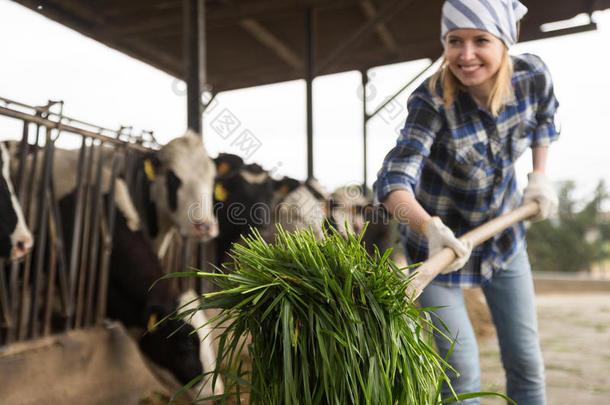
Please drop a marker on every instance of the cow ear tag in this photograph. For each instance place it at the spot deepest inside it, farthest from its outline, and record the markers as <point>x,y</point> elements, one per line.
<point>149,169</point>
<point>152,322</point>
<point>220,193</point>
<point>283,190</point>
<point>223,169</point>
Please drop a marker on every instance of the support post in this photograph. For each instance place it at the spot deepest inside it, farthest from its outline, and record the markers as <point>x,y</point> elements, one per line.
<point>365,119</point>
<point>309,68</point>
<point>195,60</point>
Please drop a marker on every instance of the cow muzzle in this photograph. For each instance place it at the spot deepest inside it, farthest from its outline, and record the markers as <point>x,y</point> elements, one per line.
<point>22,248</point>
<point>205,230</point>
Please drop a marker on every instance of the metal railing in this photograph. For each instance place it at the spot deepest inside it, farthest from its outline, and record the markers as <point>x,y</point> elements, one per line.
<point>57,288</point>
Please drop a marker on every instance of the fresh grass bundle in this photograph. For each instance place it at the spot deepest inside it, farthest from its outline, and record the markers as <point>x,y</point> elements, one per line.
<point>326,324</point>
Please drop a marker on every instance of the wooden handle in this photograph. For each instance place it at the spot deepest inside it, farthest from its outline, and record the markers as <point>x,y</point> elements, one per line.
<point>435,264</point>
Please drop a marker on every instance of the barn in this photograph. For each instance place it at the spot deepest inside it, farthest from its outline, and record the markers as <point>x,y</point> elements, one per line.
<point>54,305</point>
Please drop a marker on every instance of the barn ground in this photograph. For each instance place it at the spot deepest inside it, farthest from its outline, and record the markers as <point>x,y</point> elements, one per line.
<point>574,323</point>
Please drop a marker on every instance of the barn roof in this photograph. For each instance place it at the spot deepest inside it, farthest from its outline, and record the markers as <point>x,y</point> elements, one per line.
<point>255,42</point>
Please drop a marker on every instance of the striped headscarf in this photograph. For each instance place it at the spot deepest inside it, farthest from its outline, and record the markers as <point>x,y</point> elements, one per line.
<point>498,17</point>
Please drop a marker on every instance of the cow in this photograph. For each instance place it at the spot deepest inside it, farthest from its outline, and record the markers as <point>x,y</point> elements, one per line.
<point>300,206</point>
<point>15,238</point>
<point>180,181</point>
<point>348,206</point>
<point>306,205</point>
<point>242,200</point>
<point>176,187</point>
<point>174,344</point>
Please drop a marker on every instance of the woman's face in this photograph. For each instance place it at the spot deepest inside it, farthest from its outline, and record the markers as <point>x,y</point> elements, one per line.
<point>474,57</point>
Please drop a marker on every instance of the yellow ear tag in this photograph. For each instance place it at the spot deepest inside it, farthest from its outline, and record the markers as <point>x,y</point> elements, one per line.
<point>222,169</point>
<point>152,322</point>
<point>149,169</point>
<point>220,193</point>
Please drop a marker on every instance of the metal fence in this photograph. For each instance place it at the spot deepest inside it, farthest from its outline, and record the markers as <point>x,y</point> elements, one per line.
<point>57,288</point>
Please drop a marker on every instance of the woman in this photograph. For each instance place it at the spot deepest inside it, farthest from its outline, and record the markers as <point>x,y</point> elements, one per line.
<point>452,169</point>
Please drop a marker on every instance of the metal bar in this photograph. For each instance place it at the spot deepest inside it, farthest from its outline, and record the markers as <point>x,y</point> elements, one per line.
<point>203,265</point>
<point>195,51</point>
<point>30,207</point>
<point>187,260</point>
<point>309,69</point>
<point>77,230</point>
<point>403,88</point>
<point>390,8</point>
<point>107,247</point>
<point>22,160</point>
<point>4,299</point>
<point>52,270</point>
<point>23,312</point>
<point>95,237</point>
<point>67,128</point>
<point>58,250</point>
<point>15,272</point>
<point>78,317</point>
<point>43,215</point>
<point>364,81</point>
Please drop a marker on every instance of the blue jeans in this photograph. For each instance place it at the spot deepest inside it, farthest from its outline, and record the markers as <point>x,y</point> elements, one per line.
<point>510,297</point>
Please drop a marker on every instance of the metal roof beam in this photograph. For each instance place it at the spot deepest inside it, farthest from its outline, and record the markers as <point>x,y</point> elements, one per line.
<point>389,9</point>
<point>369,10</point>
<point>265,37</point>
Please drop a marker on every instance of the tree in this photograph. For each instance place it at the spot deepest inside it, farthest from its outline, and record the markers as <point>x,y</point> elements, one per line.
<point>574,240</point>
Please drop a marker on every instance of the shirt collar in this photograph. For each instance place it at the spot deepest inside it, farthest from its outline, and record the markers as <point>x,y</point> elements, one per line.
<point>467,106</point>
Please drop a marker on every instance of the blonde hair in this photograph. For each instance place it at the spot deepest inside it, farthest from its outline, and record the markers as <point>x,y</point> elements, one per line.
<point>500,92</point>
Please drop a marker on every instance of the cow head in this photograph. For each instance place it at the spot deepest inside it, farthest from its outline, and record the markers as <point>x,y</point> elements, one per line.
<point>15,238</point>
<point>347,206</point>
<point>181,179</point>
<point>242,200</point>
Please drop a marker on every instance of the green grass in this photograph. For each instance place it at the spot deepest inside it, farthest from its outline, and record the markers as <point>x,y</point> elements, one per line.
<point>328,324</point>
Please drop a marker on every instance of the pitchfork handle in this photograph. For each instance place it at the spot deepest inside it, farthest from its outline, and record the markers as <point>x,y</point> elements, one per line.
<point>435,264</point>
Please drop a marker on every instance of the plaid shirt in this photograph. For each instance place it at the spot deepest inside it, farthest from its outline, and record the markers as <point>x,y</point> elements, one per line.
<point>459,163</point>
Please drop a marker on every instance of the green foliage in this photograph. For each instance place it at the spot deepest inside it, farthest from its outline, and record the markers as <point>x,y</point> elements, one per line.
<point>562,244</point>
<point>323,323</point>
<point>328,324</point>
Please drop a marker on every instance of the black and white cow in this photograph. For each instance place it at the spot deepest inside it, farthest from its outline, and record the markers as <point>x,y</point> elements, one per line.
<point>176,187</point>
<point>348,206</point>
<point>300,205</point>
<point>134,267</point>
<point>243,196</point>
<point>15,238</point>
<point>180,180</point>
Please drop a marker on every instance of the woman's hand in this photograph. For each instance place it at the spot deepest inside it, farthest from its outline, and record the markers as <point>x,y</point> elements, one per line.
<point>539,189</point>
<point>440,236</point>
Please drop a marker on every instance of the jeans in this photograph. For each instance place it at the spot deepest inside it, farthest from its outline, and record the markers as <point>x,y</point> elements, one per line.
<point>510,297</point>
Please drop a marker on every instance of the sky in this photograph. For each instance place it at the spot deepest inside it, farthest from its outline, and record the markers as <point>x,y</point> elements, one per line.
<point>43,60</point>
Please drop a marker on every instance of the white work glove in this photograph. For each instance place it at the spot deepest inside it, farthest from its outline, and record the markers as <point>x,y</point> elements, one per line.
<point>539,189</point>
<point>440,236</point>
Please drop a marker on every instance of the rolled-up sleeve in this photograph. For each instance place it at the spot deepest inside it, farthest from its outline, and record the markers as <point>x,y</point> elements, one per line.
<point>547,129</point>
<point>402,165</point>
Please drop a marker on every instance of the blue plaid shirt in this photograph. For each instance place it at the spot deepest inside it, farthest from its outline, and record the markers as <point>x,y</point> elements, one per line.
<point>459,163</point>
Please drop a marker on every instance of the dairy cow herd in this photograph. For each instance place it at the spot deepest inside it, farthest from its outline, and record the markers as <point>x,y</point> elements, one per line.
<point>182,190</point>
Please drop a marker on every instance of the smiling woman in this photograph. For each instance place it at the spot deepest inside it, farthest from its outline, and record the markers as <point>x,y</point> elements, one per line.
<point>452,169</point>
<point>480,63</point>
